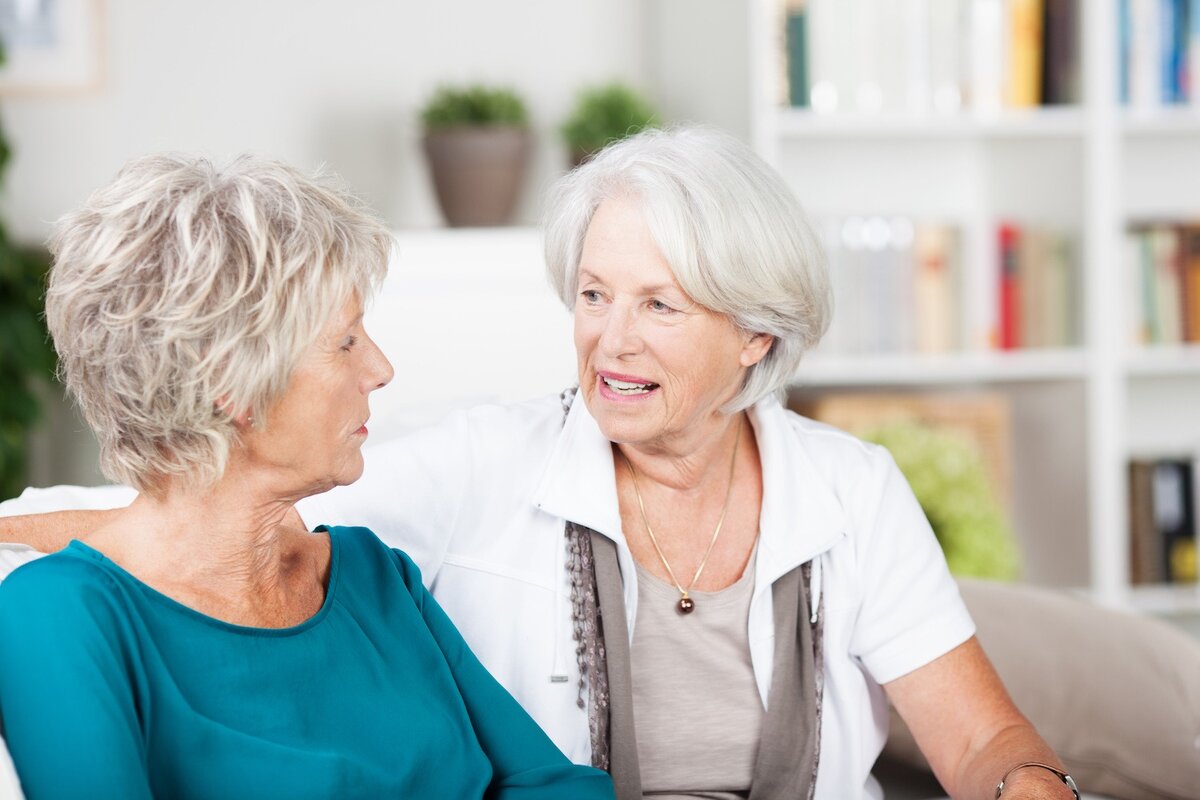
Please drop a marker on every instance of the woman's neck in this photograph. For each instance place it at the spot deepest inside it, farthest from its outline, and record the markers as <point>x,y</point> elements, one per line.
<point>694,464</point>
<point>232,550</point>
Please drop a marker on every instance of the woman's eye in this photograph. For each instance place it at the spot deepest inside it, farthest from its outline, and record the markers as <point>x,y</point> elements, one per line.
<point>590,296</point>
<point>660,307</point>
<point>348,345</point>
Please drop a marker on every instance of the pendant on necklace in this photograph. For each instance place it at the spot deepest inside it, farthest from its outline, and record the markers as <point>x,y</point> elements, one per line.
<point>686,605</point>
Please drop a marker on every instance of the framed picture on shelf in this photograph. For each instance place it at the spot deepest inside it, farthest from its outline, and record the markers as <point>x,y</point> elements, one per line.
<point>50,46</point>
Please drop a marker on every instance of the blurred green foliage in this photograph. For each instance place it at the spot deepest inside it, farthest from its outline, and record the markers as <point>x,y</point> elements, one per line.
<point>948,476</point>
<point>26,355</point>
<point>476,106</point>
<point>605,114</point>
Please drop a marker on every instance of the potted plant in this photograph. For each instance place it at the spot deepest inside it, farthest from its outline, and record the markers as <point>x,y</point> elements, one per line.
<point>477,142</point>
<point>26,355</point>
<point>602,115</point>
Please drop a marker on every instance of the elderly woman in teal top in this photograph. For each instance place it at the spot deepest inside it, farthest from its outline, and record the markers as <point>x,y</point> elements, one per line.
<point>209,324</point>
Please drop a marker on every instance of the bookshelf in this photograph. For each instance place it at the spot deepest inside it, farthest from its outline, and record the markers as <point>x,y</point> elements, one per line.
<point>1078,413</point>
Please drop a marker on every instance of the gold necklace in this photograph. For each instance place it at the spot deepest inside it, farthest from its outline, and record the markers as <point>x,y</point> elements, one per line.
<point>686,604</point>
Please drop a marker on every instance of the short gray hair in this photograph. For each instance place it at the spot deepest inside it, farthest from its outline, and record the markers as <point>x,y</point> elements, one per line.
<point>182,292</point>
<point>732,232</point>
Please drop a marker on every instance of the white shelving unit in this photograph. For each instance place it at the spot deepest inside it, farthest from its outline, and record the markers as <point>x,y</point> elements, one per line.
<point>1078,414</point>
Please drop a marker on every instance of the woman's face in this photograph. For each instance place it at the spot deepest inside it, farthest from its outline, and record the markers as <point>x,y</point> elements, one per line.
<point>653,364</point>
<point>314,433</point>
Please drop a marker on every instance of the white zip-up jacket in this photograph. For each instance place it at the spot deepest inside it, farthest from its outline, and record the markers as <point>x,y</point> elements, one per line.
<point>479,501</point>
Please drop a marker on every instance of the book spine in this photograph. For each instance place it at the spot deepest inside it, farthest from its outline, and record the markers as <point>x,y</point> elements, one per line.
<point>797,56</point>
<point>1144,38</point>
<point>1025,53</point>
<point>1010,292</point>
<point>1193,52</point>
<point>1149,265</point>
<point>1145,545</point>
<point>1031,252</point>
<point>1135,290</point>
<point>1058,322</point>
<point>986,54</point>
<point>934,300</point>
<point>1168,297</point>
<point>1168,51</point>
<point>945,55</point>
<point>1190,265</point>
<point>1060,60</point>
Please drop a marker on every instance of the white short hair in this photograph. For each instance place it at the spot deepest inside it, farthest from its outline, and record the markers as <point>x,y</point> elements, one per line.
<point>732,232</point>
<point>182,292</point>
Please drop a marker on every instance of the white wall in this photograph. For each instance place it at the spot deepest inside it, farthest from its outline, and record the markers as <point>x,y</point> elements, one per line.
<point>309,81</point>
<point>312,82</point>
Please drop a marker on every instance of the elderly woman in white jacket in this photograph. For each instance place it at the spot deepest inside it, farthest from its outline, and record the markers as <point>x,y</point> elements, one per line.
<point>668,543</point>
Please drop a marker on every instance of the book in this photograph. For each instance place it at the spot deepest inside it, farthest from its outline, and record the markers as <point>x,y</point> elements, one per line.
<point>796,32</point>
<point>1145,546</point>
<point>1032,245</point>
<point>1175,518</point>
<point>1060,62</point>
<point>946,44</point>
<point>1167,299</point>
<point>936,311</point>
<point>986,27</point>
<point>1193,52</point>
<point>1009,316</point>
<point>1144,62</point>
<point>1190,271</point>
<point>1162,520</point>
<point>1024,88</point>
<point>1131,260</point>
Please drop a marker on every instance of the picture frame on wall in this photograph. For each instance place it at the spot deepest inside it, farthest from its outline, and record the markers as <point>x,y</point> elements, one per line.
<point>50,46</point>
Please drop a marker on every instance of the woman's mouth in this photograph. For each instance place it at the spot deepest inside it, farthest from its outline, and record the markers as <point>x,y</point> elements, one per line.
<point>624,386</point>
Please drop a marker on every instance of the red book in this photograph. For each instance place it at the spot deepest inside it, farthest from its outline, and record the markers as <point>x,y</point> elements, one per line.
<point>1010,289</point>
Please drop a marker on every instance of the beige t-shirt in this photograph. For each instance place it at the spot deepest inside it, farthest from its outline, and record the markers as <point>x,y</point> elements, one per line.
<point>696,706</point>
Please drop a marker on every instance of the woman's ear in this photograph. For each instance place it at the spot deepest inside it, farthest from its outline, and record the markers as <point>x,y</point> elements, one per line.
<point>756,348</point>
<point>240,419</point>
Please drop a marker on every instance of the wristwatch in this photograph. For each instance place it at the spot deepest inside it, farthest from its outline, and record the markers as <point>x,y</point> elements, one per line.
<point>1064,777</point>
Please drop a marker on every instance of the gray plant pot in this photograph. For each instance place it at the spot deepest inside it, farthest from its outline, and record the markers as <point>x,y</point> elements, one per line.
<point>477,172</point>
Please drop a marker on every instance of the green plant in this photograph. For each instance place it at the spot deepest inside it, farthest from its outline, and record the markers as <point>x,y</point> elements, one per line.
<point>26,355</point>
<point>452,106</point>
<point>948,477</point>
<point>605,114</point>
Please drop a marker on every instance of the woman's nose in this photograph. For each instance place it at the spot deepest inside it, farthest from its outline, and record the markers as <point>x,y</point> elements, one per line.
<point>379,368</point>
<point>620,335</point>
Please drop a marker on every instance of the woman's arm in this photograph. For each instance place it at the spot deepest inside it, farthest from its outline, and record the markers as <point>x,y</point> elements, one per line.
<point>47,519</point>
<point>970,731</point>
<point>52,531</point>
<point>527,765</point>
<point>66,696</point>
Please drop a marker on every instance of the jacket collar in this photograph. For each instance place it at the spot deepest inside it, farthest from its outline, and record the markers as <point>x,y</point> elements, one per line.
<point>801,516</point>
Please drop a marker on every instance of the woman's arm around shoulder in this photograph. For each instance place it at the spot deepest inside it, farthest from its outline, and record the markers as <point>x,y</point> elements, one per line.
<point>968,728</point>
<point>66,693</point>
<point>527,765</point>
<point>47,519</point>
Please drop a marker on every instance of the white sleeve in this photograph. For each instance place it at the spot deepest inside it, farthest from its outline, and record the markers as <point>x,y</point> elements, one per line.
<point>10,787</point>
<point>409,493</point>
<point>67,498</point>
<point>911,611</point>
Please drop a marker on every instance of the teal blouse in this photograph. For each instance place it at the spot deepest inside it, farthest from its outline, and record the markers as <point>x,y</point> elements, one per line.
<point>109,689</point>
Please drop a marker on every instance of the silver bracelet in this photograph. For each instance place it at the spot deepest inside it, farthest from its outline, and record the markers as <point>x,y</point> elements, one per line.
<point>1062,776</point>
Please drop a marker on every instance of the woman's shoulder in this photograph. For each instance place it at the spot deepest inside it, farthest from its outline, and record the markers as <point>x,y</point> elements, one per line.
<point>68,568</point>
<point>361,553</point>
<point>66,588</point>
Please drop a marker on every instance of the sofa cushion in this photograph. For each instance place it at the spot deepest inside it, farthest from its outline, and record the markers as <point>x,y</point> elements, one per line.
<point>1116,695</point>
